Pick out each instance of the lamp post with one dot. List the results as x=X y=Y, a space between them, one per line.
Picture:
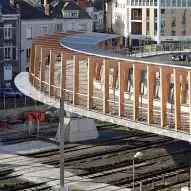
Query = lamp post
x=62 y=188
x=138 y=155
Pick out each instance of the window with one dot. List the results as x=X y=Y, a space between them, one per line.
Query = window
x=183 y=3
x=136 y=14
x=95 y=17
x=59 y=27
x=148 y=14
x=168 y=3
x=28 y=51
x=155 y=13
x=155 y=29
x=162 y=28
x=162 y=3
x=179 y=3
x=189 y=3
x=147 y=28
x=173 y=33
x=140 y=2
x=82 y=27
x=29 y=32
x=8 y=32
x=7 y=53
x=173 y=23
x=44 y=30
x=74 y=14
x=162 y=11
x=173 y=3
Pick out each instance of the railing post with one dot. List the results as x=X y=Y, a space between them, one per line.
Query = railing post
x=163 y=96
x=98 y=70
x=177 y=99
x=42 y=68
x=91 y=71
x=106 y=86
x=36 y=66
x=31 y=66
x=150 y=92
x=75 y=80
x=51 y=73
x=189 y=90
x=183 y=89
x=114 y=76
x=121 y=87
x=136 y=88
x=126 y=78
x=63 y=75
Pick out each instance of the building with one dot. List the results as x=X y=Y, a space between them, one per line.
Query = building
x=33 y=23
x=69 y=16
x=48 y=17
x=145 y=21
x=98 y=18
x=9 y=43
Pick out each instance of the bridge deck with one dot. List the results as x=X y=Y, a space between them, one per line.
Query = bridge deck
x=25 y=86
x=110 y=86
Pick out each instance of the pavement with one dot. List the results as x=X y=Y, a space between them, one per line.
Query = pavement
x=150 y=54
x=31 y=170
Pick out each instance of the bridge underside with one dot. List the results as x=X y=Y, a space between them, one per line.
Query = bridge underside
x=141 y=95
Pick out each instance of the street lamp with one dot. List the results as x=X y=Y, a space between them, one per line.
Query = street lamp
x=62 y=186
x=138 y=155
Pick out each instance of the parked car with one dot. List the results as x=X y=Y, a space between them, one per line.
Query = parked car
x=10 y=92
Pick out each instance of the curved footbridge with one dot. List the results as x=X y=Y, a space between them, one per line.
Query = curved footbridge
x=96 y=82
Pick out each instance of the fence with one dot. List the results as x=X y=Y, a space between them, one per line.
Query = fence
x=17 y=102
x=151 y=50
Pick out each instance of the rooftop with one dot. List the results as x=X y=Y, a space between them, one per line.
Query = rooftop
x=29 y=11
x=6 y=8
x=57 y=6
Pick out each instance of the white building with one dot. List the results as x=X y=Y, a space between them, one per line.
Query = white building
x=37 y=20
x=98 y=18
x=161 y=21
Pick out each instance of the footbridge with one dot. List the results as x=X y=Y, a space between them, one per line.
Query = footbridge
x=98 y=83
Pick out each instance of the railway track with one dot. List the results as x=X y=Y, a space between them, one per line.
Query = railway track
x=109 y=160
